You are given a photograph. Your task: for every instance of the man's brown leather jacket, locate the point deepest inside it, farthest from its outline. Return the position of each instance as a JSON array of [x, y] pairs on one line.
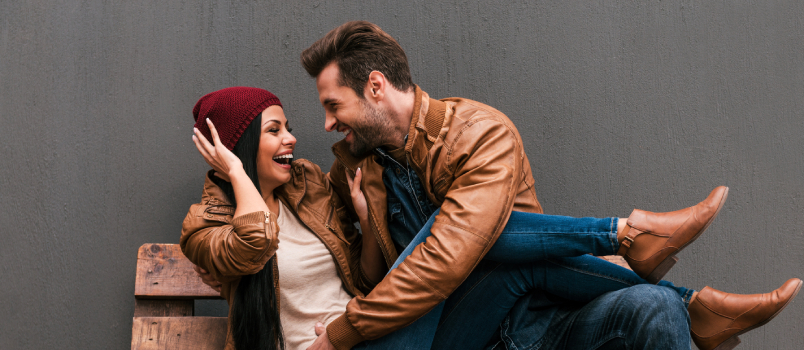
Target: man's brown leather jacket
[[472, 164], [230, 248]]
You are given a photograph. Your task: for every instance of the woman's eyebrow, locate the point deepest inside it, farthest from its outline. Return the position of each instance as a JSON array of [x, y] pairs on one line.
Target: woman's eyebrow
[[271, 120]]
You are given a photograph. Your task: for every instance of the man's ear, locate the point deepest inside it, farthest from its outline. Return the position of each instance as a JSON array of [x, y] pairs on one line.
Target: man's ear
[[375, 86]]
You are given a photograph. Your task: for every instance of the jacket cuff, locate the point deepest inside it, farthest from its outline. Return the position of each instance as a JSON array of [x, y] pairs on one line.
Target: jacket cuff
[[256, 217], [342, 334]]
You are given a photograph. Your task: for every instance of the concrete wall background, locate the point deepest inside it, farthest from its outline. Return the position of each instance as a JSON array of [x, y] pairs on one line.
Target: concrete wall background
[[621, 105]]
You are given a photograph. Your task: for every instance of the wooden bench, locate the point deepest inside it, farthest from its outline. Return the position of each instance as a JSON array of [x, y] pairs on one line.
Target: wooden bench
[[164, 298]]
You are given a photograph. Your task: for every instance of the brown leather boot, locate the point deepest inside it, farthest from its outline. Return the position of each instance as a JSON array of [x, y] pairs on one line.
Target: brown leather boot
[[717, 318], [653, 239]]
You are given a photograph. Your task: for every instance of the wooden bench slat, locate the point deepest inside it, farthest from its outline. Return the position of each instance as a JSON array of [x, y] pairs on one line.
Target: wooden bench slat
[[164, 272], [178, 333]]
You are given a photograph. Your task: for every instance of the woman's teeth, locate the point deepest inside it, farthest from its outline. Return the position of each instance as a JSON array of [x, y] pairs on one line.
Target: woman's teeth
[[284, 159]]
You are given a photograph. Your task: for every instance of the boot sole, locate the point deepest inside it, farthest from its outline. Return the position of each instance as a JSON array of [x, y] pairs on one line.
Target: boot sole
[[658, 273], [734, 340]]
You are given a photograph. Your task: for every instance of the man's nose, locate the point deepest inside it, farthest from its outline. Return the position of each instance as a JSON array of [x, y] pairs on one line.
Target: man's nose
[[330, 123]]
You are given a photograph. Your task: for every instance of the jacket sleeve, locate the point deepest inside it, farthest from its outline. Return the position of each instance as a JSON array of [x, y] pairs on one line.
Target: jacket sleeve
[[228, 250], [487, 160]]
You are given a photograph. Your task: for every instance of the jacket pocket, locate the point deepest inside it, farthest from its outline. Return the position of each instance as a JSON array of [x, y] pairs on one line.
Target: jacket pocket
[[219, 213]]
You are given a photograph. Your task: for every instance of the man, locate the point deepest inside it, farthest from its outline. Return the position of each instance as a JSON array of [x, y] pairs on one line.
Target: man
[[419, 155], [461, 164]]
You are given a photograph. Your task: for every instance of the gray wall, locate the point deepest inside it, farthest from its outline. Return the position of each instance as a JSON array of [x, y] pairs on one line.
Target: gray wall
[[621, 104]]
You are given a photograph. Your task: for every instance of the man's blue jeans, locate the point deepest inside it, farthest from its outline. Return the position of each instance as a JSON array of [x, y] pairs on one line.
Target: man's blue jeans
[[545, 254]]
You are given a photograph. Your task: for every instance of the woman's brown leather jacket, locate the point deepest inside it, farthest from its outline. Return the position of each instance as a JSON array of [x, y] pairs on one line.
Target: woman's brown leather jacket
[[230, 247]]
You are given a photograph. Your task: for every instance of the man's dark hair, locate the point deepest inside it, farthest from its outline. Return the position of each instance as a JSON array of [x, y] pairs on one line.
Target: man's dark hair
[[359, 47]]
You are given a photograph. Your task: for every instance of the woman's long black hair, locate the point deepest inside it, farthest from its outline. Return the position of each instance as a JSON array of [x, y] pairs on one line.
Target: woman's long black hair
[[255, 308]]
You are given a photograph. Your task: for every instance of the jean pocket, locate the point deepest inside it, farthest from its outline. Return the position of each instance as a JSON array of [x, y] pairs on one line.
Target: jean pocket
[[395, 215]]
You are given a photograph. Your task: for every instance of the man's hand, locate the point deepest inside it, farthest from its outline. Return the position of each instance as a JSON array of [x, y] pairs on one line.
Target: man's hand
[[322, 342], [207, 278]]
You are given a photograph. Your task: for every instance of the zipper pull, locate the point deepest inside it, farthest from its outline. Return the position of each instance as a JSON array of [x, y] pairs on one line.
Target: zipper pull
[[337, 235], [267, 216]]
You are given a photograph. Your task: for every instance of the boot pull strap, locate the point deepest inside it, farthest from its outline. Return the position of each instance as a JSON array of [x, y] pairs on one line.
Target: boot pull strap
[[630, 234]]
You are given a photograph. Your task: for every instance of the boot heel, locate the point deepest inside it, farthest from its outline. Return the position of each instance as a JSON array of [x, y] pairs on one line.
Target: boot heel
[[661, 270], [729, 344]]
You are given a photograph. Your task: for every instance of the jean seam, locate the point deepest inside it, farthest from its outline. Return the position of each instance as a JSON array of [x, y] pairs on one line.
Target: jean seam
[[445, 317], [611, 278], [506, 339], [607, 339], [686, 297], [613, 234]]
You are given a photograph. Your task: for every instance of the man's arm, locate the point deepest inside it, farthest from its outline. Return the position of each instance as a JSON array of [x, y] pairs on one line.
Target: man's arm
[[487, 159]]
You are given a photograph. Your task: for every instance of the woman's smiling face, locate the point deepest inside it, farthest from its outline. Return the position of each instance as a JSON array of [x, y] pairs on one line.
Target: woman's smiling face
[[276, 149]]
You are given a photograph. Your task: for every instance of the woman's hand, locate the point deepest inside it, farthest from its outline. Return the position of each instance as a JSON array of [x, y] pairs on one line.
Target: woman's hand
[[207, 278], [372, 260], [322, 342], [220, 158], [358, 199]]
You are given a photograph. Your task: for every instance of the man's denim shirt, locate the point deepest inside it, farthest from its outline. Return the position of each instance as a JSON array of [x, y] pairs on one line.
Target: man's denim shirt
[[408, 206]]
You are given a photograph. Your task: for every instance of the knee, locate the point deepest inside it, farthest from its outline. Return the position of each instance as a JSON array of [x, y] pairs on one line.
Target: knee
[[651, 299], [655, 307], [648, 296], [656, 317]]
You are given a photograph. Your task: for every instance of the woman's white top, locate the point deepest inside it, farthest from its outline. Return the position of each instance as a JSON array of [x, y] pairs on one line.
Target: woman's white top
[[310, 290]]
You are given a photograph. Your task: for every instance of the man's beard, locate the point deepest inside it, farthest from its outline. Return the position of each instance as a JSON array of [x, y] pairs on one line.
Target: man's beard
[[371, 132]]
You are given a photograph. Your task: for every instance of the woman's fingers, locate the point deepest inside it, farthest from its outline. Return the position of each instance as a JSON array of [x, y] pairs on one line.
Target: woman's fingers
[[220, 158], [354, 180], [349, 179], [199, 146], [203, 140], [358, 178], [207, 278], [205, 152], [215, 138]]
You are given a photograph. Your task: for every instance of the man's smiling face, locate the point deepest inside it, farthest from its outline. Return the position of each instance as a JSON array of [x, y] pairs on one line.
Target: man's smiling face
[[364, 125]]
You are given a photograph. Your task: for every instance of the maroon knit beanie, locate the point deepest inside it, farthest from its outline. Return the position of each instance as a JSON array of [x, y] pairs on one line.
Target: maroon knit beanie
[[231, 110]]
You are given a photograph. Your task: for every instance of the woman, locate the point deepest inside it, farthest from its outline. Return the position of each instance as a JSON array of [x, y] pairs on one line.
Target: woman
[[234, 239], [261, 209]]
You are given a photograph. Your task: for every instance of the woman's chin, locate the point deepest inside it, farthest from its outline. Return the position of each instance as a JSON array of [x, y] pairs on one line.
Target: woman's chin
[[278, 176], [283, 177]]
